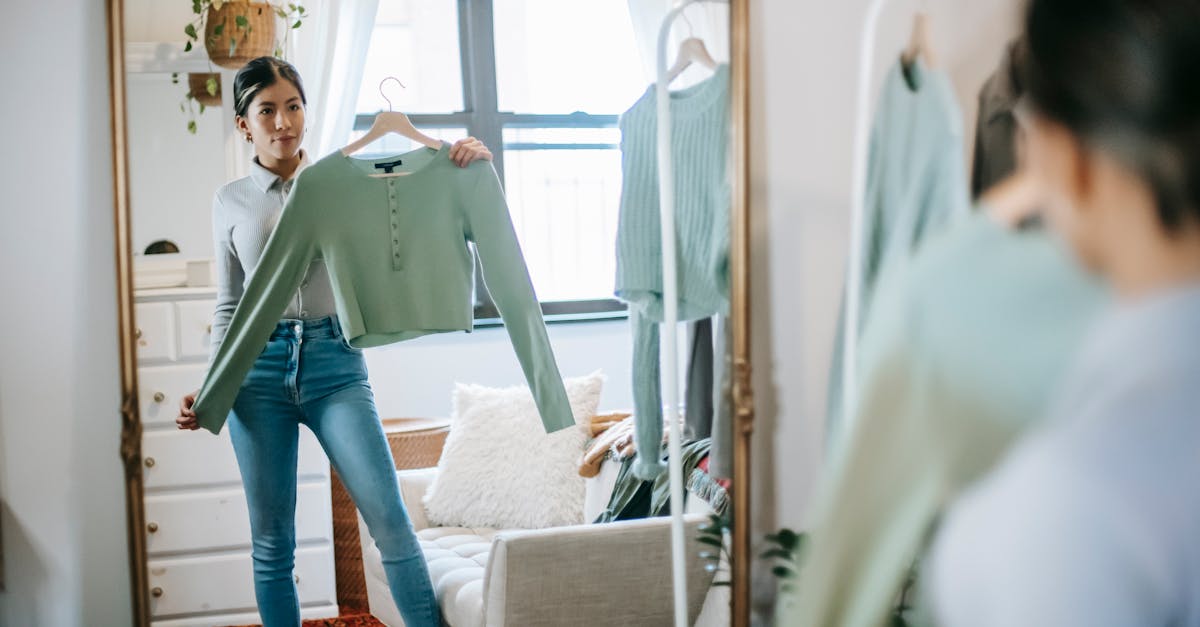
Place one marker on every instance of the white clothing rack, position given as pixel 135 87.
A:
pixel 858 193
pixel 670 375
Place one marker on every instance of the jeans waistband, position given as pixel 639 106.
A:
pixel 326 327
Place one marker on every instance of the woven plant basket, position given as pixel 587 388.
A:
pixel 256 40
pixel 198 86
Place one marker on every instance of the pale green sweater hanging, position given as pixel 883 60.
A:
pixel 964 350
pixel 397 257
pixel 699 141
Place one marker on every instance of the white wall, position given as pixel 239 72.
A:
pixel 62 501
pixel 803 74
pixel 416 378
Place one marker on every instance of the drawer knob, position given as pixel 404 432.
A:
pixel 159 397
pixel 149 462
pixel 137 333
pixel 156 592
pixel 152 527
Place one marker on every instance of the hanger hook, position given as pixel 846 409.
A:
pixel 386 79
pixel 691 30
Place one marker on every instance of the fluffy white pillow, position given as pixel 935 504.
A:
pixel 499 467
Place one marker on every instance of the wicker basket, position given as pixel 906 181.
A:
pixel 415 443
pixel 256 40
pixel 198 86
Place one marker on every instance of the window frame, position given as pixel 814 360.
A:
pixel 482 118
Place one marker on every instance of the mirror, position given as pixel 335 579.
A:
pixel 551 257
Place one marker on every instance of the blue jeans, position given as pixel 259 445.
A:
pixel 308 374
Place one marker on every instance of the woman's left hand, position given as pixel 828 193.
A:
pixel 464 151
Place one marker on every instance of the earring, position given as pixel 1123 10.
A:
pixel 249 138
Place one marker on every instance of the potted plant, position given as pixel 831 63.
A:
pixel 234 31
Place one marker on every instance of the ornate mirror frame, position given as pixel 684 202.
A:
pixel 131 432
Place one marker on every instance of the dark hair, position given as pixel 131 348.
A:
pixel 1122 76
pixel 258 75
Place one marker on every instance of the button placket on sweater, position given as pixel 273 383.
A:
pixel 394 220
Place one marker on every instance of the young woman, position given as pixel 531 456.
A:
pixel 312 378
pixel 1095 519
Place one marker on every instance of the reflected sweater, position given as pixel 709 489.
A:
pixel 699 141
pixel 396 252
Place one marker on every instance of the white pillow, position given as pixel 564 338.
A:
pixel 499 467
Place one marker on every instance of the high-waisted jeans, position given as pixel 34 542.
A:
pixel 308 374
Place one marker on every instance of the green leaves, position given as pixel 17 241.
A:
pixel 174 78
pixel 201 108
pixel 219 30
pixel 242 22
pixel 187 47
pixel 197 8
pixel 190 31
pixel 192 127
pixel 210 86
pixel 297 24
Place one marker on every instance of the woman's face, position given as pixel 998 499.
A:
pixel 275 121
pixel 1057 161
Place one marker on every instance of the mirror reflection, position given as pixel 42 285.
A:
pixel 399 301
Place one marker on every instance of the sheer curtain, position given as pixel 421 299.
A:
pixel 709 21
pixel 330 50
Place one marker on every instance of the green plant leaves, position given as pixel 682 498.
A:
pixel 219 30
pixel 210 86
pixel 187 47
pixel 190 31
pixel 192 127
pixel 297 24
pixel 242 22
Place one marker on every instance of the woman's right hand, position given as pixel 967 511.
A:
pixel 187 418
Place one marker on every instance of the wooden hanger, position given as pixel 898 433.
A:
pixel 691 50
pixel 918 42
pixel 391 122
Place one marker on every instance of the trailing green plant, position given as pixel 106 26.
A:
pixel 712 536
pixel 292 14
pixel 783 548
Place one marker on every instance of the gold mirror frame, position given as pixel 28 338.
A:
pixel 743 400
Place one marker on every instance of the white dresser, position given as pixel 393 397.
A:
pixel 197 525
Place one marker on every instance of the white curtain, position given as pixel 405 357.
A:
pixel 708 21
pixel 329 50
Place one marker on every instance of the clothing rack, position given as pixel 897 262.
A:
pixel 858 194
pixel 670 374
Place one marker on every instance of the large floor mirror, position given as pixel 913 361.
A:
pixel 553 265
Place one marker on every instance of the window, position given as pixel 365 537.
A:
pixel 542 83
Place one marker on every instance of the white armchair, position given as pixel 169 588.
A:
pixel 610 574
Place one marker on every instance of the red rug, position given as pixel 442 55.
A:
pixel 350 617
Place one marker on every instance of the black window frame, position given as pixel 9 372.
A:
pixel 482 118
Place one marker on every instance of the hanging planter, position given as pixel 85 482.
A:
pixel 236 32
pixel 205 88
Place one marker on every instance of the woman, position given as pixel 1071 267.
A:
pixel 314 379
pixel 1095 519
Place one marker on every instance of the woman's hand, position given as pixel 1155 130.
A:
pixel 464 151
pixel 187 418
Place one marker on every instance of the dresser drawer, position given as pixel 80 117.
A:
pixel 189 459
pixel 195 328
pixel 160 388
pixel 225 583
pixel 219 519
pixel 155 331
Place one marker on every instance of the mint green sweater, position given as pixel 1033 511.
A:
pixel 699 138
pixel 397 257
pixel 965 347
